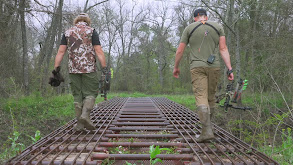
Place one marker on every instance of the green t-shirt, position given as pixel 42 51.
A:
pixel 203 42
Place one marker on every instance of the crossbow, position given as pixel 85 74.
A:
pixel 104 85
pixel 233 96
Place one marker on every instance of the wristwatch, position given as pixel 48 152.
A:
pixel 229 72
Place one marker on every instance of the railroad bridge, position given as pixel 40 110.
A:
pixel 125 130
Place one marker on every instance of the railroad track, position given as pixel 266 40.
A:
pixel 127 127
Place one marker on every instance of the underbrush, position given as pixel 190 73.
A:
pixel 284 152
pixel 263 126
pixel 22 117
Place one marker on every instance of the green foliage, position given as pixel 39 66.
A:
pixel 283 153
pixel 108 162
pixel 15 147
pixel 37 137
pixel 28 114
pixel 154 151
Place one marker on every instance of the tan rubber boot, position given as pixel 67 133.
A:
pixel 206 131
pixel 88 104
pixel 212 116
pixel 78 109
pixel 212 112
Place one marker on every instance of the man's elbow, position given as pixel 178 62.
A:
pixel 223 48
pixel 179 52
pixel 61 52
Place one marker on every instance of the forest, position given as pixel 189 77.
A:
pixel 139 39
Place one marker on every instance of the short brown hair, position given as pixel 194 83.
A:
pixel 82 17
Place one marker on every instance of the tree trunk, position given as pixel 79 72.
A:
pixel 237 53
pixel 24 47
pixel 47 49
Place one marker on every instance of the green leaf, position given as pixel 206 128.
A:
pixel 157 160
pixel 37 135
pixel 155 152
pixel 151 149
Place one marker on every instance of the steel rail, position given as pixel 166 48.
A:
pixel 89 140
pixel 241 143
pixel 41 142
pixel 135 124
pixel 74 148
pixel 117 110
pixel 193 117
pixel 195 152
pixel 220 150
pixel 52 143
pixel 240 157
pixel 199 131
pixel 64 140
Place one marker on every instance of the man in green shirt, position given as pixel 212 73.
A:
pixel 206 39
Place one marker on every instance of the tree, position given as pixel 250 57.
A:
pixel 24 46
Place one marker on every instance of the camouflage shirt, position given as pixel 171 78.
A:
pixel 80 49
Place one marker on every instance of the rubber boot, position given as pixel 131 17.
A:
pixel 88 104
pixel 212 112
pixel 212 116
pixel 78 110
pixel 206 131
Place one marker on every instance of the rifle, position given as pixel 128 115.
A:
pixel 104 85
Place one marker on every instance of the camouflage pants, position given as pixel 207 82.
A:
pixel 83 85
pixel 204 85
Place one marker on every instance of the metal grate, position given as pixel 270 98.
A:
pixel 126 127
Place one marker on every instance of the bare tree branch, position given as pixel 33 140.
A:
pixel 40 4
pixel 229 27
pixel 94 5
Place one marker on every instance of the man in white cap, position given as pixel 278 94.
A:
pixel 83 45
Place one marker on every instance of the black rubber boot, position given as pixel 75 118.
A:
pixel 78 110
pixel 88 104
pixel 206 131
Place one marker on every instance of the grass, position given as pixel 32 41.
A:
pixel 27 115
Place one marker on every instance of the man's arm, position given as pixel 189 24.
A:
pixel 100 55
pixel 60 54
pixel 225 55
pixel 179 54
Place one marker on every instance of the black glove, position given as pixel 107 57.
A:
pixel 229 72
pixel 104 70
pixel 56 78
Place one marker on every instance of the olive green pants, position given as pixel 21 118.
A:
pixel 83 85
pixel 204 85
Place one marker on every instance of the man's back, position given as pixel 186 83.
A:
pixel 204 42
pixel 81 52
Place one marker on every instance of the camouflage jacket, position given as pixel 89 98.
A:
pixel 80 49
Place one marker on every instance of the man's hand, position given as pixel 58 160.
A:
pixel 176 72
pixel 56 78
pixel 231 77
pixel 104 70
pixel 230 74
